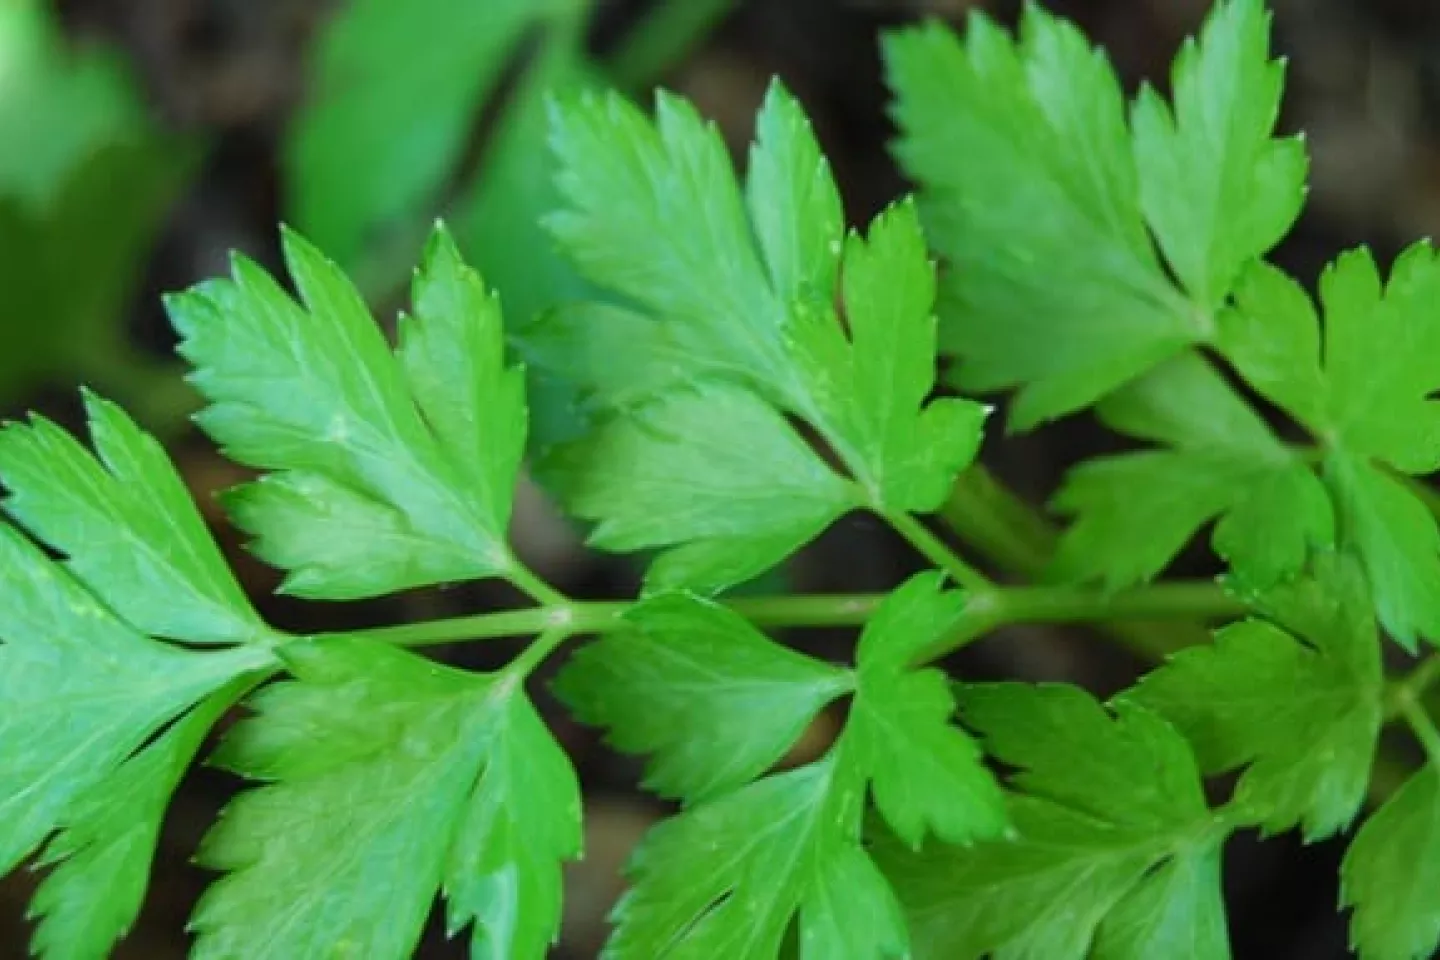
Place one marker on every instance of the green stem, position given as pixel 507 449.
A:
pixel 1412 687
pixel 577 617
pixel 1404 700
pixel 798 611
pixel 992 607
pixel 668 34
pixel 1177 599
pixel 1423 728
pixel 937 552
pixel 987 515
pixel 541 647
pixel 597 616
pixel 524 580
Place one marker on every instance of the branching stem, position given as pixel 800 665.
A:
pixel 985 514
pixel 937 552
pixel 1412 687
pixel 1423 727
pixel 541 647
pixel 535 588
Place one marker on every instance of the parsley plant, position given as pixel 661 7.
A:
pixel 749 373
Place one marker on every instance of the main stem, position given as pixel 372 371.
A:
pixel 992 607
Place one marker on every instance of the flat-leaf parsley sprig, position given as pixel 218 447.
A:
pixel 748 372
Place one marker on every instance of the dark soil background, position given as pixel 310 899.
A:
pixel 1364 83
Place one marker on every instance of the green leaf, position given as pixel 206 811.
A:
pixel 80 692
pixel 503 873
pixel 748 300
pixel 1296 699
pixel 673 343
pixel 1017 114
pixel 1371 393
pixel 793 202
pixel 1389 874
pixel 102 856
pixel 1220 462
pixel 684 250
pixel 907 453
pixel 1176 911
pixel 1284 517
pixel 1217 188
pixel 390 472
pixel 394 777
pixel 574 345
pixel 1045 249
pixel 725 878
pixel 927 775
pixel 96 718
pixel 1113 849
pixel 713 701
pixel 1396 536
pixel 1135 512
pixel 711 468
pixel 686 674
pixel 1367 400
pixel 453 353
pixel 752 294
pixel 708 567
pixel 1070 750
pixel 125 520
pixel 851 911
pixel 348 177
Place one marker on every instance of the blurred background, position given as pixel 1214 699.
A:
pixel 141 141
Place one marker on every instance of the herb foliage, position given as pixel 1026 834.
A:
pixel 751 372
